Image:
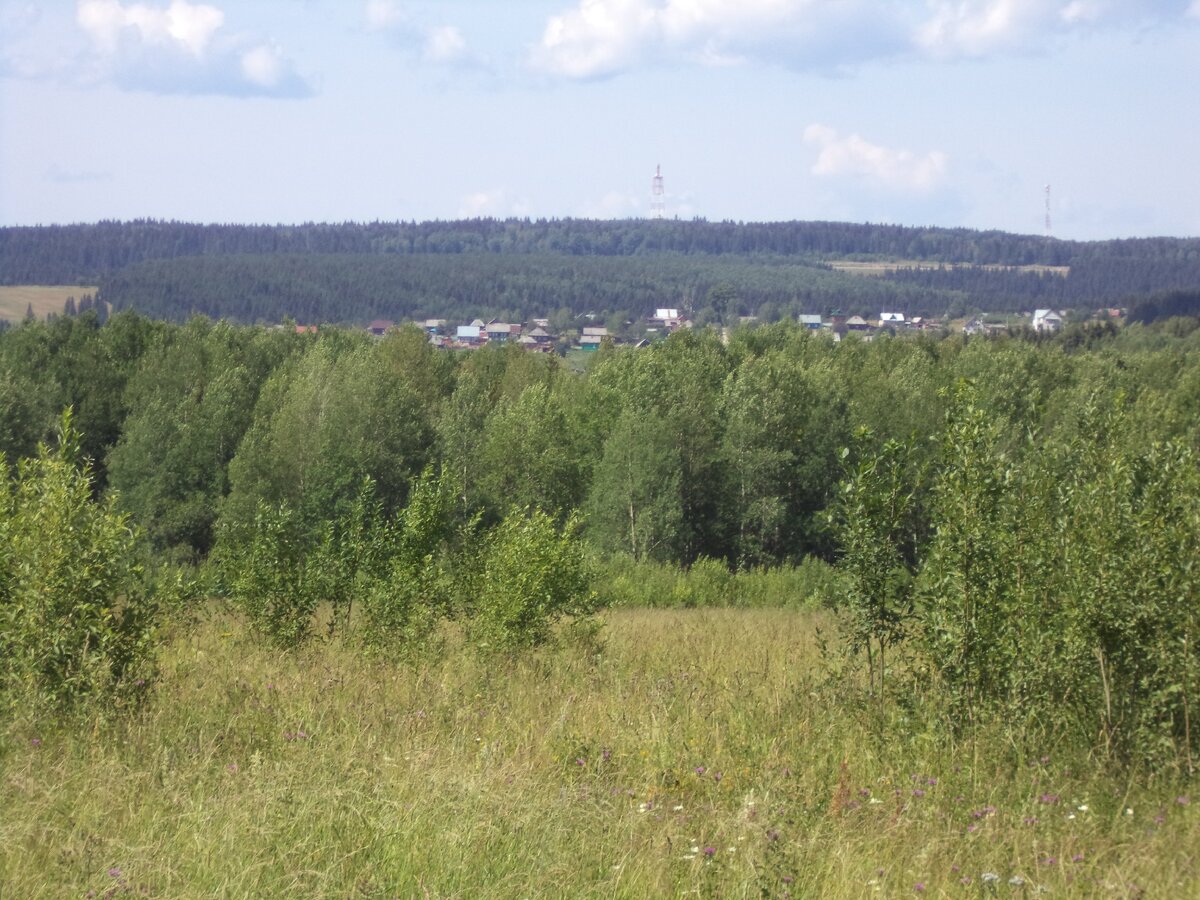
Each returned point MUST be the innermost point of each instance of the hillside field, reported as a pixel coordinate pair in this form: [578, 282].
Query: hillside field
[16, 299]
[708, 753]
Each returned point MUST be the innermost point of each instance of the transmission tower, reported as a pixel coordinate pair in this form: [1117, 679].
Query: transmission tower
[1048, 211]
[658, 195]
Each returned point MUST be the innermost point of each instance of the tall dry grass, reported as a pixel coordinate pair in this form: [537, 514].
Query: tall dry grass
[701, 752]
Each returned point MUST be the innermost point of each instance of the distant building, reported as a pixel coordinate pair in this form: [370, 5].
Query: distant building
[811, 322]
[469, 334]
[894, 319]
[592, 338]
[857, 323]
[380, 327]
[1046, 321]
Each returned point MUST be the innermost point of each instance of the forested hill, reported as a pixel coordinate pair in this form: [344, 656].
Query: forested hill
[357, 271]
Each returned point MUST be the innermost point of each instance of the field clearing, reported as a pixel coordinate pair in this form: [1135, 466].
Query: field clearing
[701, 752]
[16, 299]
[883, 268]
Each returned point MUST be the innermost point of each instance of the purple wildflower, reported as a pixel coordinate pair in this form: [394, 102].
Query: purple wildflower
[716, 776]
[1183, 800]
[114, 872]
[918, 793]
[919, 886]
[709, 851]
[700, 770]
[35, 742]
[1049, 799]
[1078, 857]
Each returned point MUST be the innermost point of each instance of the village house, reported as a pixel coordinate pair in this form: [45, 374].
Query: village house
[1046, 321]
[592, 337]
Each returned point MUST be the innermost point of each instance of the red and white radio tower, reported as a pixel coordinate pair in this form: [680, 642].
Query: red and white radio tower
[1047, 210]
[658, 195]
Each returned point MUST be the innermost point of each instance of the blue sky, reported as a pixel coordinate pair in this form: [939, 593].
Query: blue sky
[917, 112]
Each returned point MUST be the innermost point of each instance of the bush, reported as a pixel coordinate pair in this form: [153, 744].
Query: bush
[530, 575]
[75, 619]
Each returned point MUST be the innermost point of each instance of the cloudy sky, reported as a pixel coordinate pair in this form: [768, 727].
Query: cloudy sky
[938, 112]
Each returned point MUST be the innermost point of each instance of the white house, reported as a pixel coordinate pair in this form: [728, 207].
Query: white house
[1046, 320]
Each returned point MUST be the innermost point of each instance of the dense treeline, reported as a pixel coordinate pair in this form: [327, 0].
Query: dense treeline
[332, 288]
[685, 449]
[357, 271]
[1014, 515]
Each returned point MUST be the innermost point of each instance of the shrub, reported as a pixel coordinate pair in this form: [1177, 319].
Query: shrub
[75, 619]
[530, 575]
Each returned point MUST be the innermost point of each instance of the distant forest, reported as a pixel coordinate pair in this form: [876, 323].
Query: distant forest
[516, 269]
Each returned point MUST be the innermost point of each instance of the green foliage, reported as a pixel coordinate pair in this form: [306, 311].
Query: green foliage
[414, 587]
[75, 620]
[873, 520]
[530, 574]
[265, 568]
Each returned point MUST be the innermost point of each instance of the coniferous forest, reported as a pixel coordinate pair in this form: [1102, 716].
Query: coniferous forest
[353, 273]
[740, 599]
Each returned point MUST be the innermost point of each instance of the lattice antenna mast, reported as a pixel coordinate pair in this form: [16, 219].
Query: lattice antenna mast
[658, 195]
[1048, 234]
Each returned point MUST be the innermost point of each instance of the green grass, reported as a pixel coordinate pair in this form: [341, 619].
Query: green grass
[15, 300]
[567, 772]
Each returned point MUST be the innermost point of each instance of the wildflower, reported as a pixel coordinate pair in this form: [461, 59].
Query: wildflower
[1016, 881]
[1049, 861]
[864, 792]
[1129, 810]
[919, 886]
[581, 761]
[932, 782]
[918, 793]
[35, 742]
[1159, 819]
[114, 872]
[787, 879]
[772, 835]
[1050, 799]
[606, 755]
[677, 808]
[717, 777]
[1182, 801]
[966, 879]
[232, 767]
[1078, 857]
[1082, 807]
[989, 877]
[700, 770]
[709, 851]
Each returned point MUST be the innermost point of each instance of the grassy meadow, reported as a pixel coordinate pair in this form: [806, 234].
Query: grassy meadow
[15, 300]
[711, 753]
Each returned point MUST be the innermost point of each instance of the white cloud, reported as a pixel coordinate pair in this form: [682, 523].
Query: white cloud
[1194, 10]
[383, 14]
[495, 203]
[597, 38]
[854, 156]
[440, 44]
[445, 44]
[182, 25]
[181, 48]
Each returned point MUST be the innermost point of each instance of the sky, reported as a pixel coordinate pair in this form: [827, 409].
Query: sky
[913, 112]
